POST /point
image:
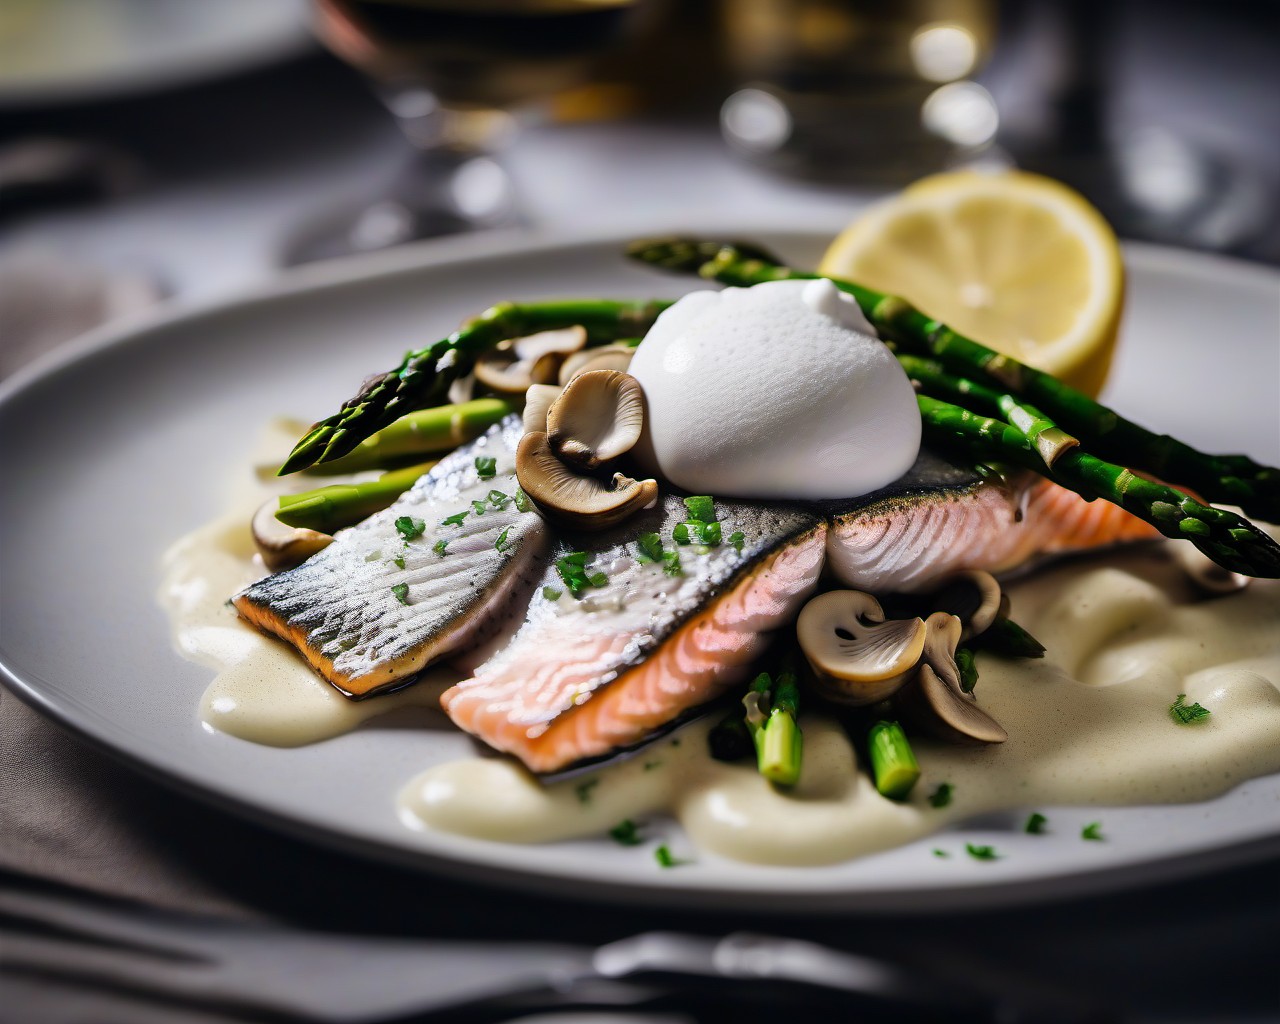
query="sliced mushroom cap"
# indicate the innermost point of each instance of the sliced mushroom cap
(514, 365)
(974, 596)
(576, 499)
(857, 656)
(537, 402)
(597, 418)
(606, 357)
(282, 546)
(934, 701)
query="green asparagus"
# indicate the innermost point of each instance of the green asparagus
(423, 377)
(771, 718)
(326, 509)
(893, 763)
(1235, 479)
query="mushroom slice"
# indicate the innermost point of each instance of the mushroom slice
(510, 367)
(974, 596)
(606, 357)
(934, 700)
(280, 545)
(858, 657)
(597, 418)
(537, 401)
(566, 496)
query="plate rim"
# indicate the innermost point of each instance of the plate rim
(422, 257)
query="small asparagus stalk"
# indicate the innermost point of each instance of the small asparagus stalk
(771, 719)
(1005, 637)
(1234, 543)
(893, 764)
(967, 666)
(1234, 479)
(326, 509)
(423, 377)
(425, 432)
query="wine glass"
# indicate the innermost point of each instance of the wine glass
(454, 73)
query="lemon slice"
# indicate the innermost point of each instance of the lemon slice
(1016, 261)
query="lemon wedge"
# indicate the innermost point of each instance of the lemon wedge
(1016, 261)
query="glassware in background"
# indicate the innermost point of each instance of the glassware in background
(454, 73)
(858, 91)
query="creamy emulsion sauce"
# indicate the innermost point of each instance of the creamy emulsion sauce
(1088, 724)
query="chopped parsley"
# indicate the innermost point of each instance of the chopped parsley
(399, 561)
(486, 467)
(551, 594)
(1187, 714)
(409, 528)
(680, 534)
(440, 546)
(1035, 824)
(572, 569)
(478, 507)
(701, 508)
(502, 544)
(523, 504)
(584, 790)
(941, 796)
(705, 533)
(671, 563)
(455, 519)
(497, 499)
(665, 858)
(981, 852)
(1092, 831)
(649, 547)
(941, 853)
(626, 833)
(709, 534)
(401, 590)
(736, 539)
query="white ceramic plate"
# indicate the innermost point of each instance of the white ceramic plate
(116, 448)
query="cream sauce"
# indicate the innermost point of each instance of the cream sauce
(1088, 724)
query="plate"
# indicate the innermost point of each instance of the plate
(134, 437)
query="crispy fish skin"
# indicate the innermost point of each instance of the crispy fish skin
(341, 608)
(941, 518)
(584, 677)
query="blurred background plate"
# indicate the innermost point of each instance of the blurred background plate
(134, 437)
(75, 51)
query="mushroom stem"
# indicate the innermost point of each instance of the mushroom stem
(893, 763)
(326, 509)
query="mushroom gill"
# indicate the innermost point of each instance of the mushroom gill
(514, 365)
(934, 699)
(565, 495)
(597, 418)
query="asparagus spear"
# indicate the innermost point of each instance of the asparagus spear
(1236, 479)
(424, 432)
(771, 719)
(326, 509)
(1232, 542)
(423, 377)
(893, 763)
(1005, 637)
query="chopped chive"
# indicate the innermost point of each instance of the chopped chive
(941, 796)
(409, 528)
(486, 467)
(626, 833)
(702, 508)
(671, 563)
(665, 858)
(598, 579)
(575, 558)
(455, 519)
(709, 533)
(401, 590)
(680, 534)
(1035, 824)
(736, 539)
(501, 543)
(941, 853)
(649, 547)
(1187, 714)
(1092, 831)
(981, 852)
(584, 789)
(439, 546)
(398, 561)
(523, 504)
(551, 594)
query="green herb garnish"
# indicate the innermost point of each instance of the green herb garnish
(398, 561)
(497, 499)
(1092, 831)
(409, 528)
(941, 796)
(709, 534)
(1187, 714)
(626, 833)
(401, 590)
(1035, 824)
(649, 547)
(551, 594)
(665, 858)
(680, 534)
(736, 539)
(523, 504)
(702, 508)
(486, 467)
(572, 569)
(651, 765)
(981, 852)
(439, 547)
(501, 543)
(583, 789)
(455, 519)
(671, 563)
(598, 579)
(941, 853)
(478, 507)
